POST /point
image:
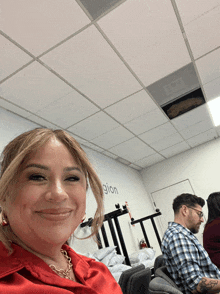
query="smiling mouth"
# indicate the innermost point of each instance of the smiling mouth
(54, 215)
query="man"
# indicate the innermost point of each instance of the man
(187, 261)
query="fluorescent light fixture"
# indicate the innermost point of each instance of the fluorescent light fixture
(214, 107)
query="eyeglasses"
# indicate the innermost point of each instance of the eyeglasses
(200, 214)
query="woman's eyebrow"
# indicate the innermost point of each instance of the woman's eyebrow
(72, 168)
(47, 168)
(37, 165)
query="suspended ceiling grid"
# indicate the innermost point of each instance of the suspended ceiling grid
(99, 71)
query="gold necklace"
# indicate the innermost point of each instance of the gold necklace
(63, 273)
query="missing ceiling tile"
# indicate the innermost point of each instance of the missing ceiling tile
(178, 92)
(184, 104)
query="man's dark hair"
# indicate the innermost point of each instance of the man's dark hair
(188, 200)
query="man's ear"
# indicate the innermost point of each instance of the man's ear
(184, 210)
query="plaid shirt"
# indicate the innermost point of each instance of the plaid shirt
(186, 259)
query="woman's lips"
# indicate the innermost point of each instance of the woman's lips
(55, 214)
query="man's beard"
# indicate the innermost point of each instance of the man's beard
(194, 230)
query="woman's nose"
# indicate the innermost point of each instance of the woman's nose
(56, 192)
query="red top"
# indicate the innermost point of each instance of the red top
(23, 272)
(211, 240)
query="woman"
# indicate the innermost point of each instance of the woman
(44, 178)
(211, 234)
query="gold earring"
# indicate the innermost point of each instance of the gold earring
(4, 220)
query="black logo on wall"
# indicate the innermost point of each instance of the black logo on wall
(109, 189)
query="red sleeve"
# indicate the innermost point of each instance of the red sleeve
(211, 241)
(101, 280)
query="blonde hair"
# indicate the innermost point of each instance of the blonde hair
(20, 149)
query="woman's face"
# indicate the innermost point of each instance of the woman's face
(50, 197)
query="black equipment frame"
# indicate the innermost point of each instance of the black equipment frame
(109, 217)
(113, 216)
(141, 220)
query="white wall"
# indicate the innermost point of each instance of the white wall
(131, 189)
(200, 165)
(128, 182)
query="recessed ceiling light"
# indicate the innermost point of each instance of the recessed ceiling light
(214, 107)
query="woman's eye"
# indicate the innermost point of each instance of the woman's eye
(72, 179)
(37, 178)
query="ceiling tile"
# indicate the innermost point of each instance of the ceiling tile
(42, 122)
(93, 147)
(68, 110)
(147, 121)
(112, 138)
(175, 149)
(208, 66)
(13, 108)
(124, 161)
(202, 138)
(109, 154)
(142, 31)
(166, 142)
(212, 89)
(149, 160)
(39, 25)
(94, 126)
(202, 23)
(135, 166)
(11, 57)
(196, 129)
(132, 107)
(90, 64)
(132, 150)
(192, 10)
(34, 88)
(191, 117)
(158, 133)
(78, 139)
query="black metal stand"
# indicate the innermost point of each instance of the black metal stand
(141, 220)
(114, 216)
(109, 217)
